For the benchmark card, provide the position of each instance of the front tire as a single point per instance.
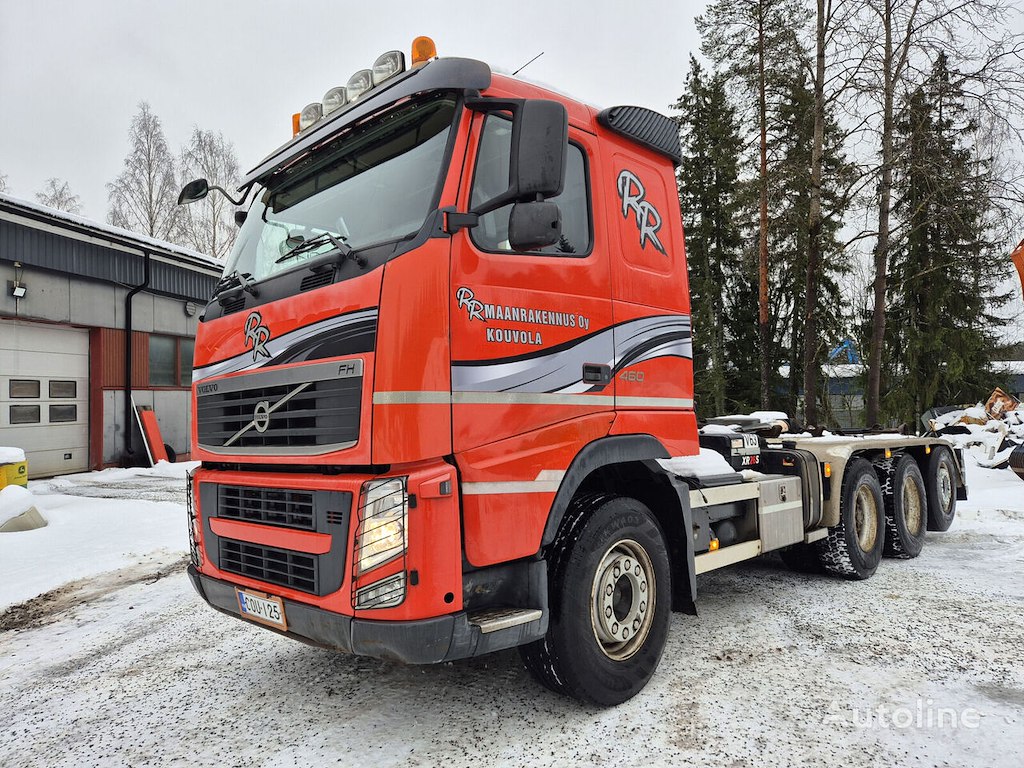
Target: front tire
(853, 548)
(610, 598)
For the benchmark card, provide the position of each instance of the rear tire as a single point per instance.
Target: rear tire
(906, 511)
(610, 598)
(940, 483)
(853, 548)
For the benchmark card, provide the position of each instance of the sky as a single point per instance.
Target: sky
(72, 73)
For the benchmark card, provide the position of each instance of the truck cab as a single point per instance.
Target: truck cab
(436, 388)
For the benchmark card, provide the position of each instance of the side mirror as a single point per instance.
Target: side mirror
(534, 225)
(193, 191)
(538, 152)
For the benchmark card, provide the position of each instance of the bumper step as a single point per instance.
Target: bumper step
(494, 619)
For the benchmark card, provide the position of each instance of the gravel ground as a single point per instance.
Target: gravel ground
(780, 669)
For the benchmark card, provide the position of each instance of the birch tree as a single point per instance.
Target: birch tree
(208, 225)
(57, 194)
(143, 198)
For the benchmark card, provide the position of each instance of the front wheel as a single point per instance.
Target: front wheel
(610, 601)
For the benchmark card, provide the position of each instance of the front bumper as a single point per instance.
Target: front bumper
(426, 641)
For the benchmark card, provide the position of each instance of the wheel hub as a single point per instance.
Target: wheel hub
(623, 595)
(865, 519)
(945, 487)
(912, 506)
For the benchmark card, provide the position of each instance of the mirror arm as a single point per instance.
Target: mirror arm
(454, 221)
(234, 202)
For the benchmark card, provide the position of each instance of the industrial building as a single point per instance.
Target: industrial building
(91, 318)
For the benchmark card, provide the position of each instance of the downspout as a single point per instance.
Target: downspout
(129, 451)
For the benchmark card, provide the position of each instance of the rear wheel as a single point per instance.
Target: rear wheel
(940, 483)
(906, 511)
(610, 601)
(853, 548)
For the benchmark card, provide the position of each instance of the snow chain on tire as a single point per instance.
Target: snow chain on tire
(850, 550)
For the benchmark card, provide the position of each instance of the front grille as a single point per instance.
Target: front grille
(304, 410)
(271, 506)
(285, 568)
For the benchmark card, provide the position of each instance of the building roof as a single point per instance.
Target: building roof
(55, 240)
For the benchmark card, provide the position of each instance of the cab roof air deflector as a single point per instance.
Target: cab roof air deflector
(644, 126)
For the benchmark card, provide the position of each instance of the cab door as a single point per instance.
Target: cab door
(531, 335)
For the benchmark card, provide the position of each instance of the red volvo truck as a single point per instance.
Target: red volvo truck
(441, 392)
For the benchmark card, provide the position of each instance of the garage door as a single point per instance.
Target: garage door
(44, 396)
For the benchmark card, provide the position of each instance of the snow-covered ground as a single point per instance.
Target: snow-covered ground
(920, 665)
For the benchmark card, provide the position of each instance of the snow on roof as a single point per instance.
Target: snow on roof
(836, 371)
(102, 227)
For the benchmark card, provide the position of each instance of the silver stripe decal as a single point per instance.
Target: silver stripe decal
(426, 397)
(280, 377)
(529, 398)
(547, 481)
(244, 362)
(279, 450)
(654, 402)
(562, 371)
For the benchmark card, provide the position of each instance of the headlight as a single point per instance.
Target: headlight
(382, 534)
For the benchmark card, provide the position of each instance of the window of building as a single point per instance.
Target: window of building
(186, 349)
(170, 361)
(63, 389)
(19, 388)
(59, 413)
(491, 179)
(24, 414)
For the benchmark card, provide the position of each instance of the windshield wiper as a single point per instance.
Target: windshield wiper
(340, 246)
(235, 281)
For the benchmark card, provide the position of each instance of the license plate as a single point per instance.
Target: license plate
(262, 608)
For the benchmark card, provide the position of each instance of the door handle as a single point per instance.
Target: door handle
(597, 373)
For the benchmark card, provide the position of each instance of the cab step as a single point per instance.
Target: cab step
(494, 619)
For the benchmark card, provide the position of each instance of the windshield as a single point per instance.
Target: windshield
(375, 183)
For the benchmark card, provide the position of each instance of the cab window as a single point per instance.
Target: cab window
(491, 178)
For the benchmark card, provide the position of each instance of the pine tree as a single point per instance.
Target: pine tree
(944, 266)
(790, 243)
(708, 196)
(751, 40)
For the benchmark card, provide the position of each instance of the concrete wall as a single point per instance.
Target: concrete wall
(173, 413)
(64, 298)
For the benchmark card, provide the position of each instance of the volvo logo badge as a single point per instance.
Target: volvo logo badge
(256, 335)
(261, 416)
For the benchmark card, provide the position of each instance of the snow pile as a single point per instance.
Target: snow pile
(98, 522)
(11, 455)
(705, 464)
(15, 501)
(989, 431)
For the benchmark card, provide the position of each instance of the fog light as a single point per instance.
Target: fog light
(385, 593)
(335, 99)
(358, 84)
(387, 65)
(310, 114)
